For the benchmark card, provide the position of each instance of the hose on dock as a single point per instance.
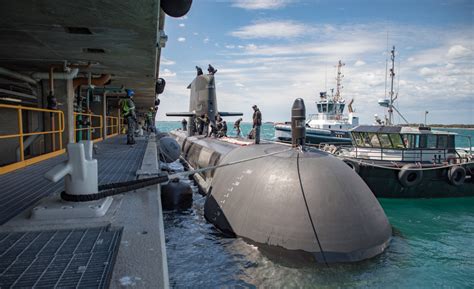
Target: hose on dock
(113, 189)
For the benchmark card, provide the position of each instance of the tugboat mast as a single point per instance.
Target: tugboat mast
(338, 81)
(392, 98)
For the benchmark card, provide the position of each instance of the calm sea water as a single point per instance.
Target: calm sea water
(432, 247)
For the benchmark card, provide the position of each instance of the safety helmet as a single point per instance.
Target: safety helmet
(130, 92)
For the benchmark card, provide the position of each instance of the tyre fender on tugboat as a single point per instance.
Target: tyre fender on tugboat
(409, 176)
(352, 164)
(456, 175)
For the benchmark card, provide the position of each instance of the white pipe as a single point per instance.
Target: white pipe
(57, 75)
(16, 75)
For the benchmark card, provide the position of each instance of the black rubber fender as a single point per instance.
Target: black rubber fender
(353, 165)
(160, 86)
(456, 175)
(409, 177)
(176, 195)
(176, 8)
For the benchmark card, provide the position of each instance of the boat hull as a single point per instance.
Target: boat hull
(314, 136)
(385, 183)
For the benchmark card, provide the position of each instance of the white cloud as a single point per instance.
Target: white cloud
(271, 29)
(230, 46)
(359, 63)
(166, 61)
(261, 4)
(425, 71)
(458, 51)
(195, 33)
(182, 25)
(343, 48)
(181, 39)
(206, 40)
(167, 73)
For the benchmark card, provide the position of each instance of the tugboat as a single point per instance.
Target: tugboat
(407, 162)
(330, 124)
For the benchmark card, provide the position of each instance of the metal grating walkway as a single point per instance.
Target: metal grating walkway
(79, 258)
(20, 189)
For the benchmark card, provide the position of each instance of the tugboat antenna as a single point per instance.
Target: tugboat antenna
(392, 99)
(338, 81)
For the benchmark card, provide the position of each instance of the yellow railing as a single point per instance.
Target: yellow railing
(112, 125)
(55, 115)
(90, 130)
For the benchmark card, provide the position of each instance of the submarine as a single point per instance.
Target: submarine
(284, 196)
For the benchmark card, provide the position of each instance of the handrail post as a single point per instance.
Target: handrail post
(60, 134)
(20, 128)
(53, 128)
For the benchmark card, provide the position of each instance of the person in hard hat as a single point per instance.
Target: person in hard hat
(257, 123)
(237, 127)
(128, 112)
(150, 120)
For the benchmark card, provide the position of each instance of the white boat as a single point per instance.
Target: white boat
(330, 124)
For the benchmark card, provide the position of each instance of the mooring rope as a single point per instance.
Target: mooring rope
(119, 188)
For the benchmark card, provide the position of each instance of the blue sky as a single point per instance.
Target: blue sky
(269, 52)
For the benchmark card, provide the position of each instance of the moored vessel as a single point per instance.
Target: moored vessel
(407, 162)
(330, 124)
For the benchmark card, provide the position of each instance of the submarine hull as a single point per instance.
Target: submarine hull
(295, 200)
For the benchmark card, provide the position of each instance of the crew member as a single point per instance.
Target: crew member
(184, 123)
(224, 128)
(237, 126)
(207, 121)
(221, 127)
(128, 112)
(149, 121)
(257, 123)
(200, 122)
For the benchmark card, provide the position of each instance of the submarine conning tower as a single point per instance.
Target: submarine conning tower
(202, 100)
(289, 197)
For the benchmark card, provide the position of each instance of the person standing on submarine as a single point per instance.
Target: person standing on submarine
(257, 123)
(200, 121)
(128, 112)
(184, 123)
(237, 127)
(207, 122)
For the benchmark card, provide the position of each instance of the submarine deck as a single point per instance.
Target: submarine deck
(94, 252)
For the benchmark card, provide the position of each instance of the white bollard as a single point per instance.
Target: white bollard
(80, 170)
